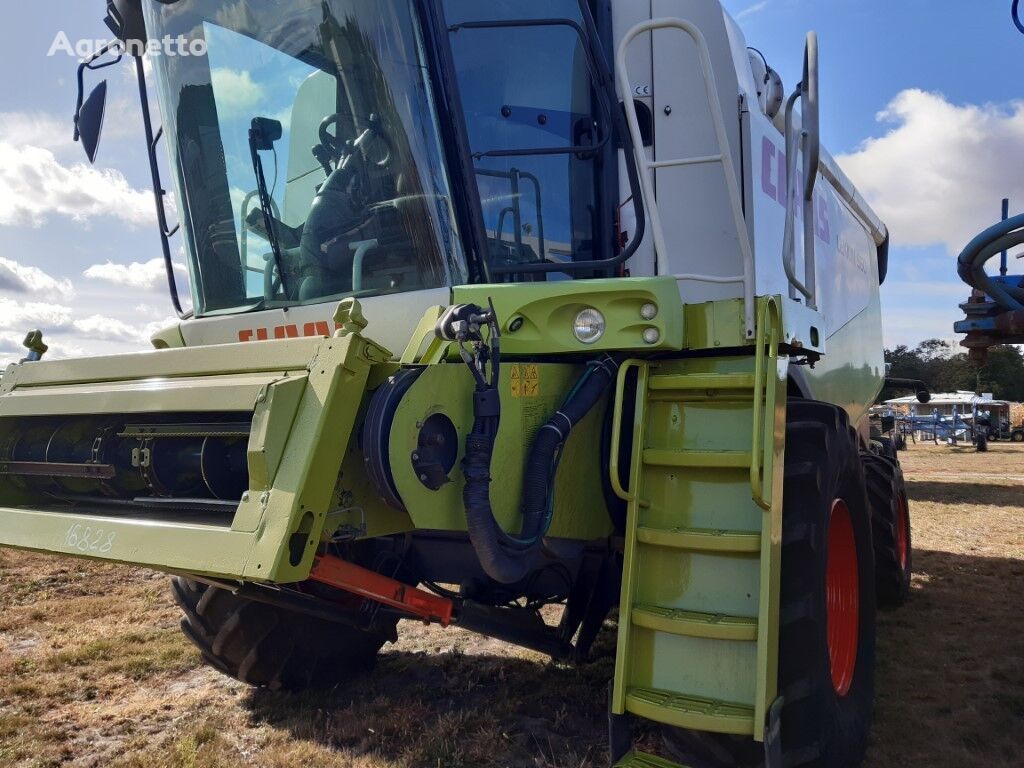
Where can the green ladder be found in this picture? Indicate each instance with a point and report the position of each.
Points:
(698, 620)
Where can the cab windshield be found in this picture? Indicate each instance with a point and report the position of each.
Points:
(307, 152)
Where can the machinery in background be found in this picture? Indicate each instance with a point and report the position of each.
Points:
(994, 312)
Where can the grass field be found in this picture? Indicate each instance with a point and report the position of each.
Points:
(93, 670)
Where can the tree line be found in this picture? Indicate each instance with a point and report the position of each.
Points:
(945, 367)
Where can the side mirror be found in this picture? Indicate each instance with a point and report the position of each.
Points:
(89, 123)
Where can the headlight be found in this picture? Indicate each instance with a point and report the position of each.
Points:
(589, 326)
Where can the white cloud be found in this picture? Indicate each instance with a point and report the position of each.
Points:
(24, 316)
(751, 10)
(236, 90)
(939, 173)
(38, 129)
(150, 275)
(19, 278)
(62, 328)
(109, 328)
(57, 132)
(35, 186)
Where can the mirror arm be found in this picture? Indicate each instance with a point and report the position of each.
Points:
(152, 139)
(90, 64)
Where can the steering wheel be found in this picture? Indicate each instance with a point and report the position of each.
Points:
(333, 144)
(366, 142)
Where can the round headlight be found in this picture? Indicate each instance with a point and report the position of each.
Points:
(652, 335)
(589, 326)
(649, 311)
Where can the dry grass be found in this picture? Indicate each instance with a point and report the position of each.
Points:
(93, 671)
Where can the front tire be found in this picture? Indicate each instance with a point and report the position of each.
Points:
(827, 616)
(268, 646)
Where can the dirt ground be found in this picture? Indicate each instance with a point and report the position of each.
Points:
(93, 670)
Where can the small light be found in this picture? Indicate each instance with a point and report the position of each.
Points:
(652, 335)
(649, 311)
(589, 326)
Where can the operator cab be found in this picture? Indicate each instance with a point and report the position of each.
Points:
(333, 148)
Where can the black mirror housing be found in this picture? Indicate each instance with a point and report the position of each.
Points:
(90, 120)
(265, 132)
(124, 18)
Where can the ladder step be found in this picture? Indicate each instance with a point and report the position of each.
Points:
(698, 459)
(714, 626)
(641, 760)
(690, 711)
(701, 539)
(701, 382)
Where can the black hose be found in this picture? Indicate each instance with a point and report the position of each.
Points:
(503, 557)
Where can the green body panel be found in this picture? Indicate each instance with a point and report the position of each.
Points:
(641, 760)
(547, 311)
(530, 395)
(703, 540)
(719, 325)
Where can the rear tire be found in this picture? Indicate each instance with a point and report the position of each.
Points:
(827, 616)
(268, 646)
(890, 528)
(888, 447)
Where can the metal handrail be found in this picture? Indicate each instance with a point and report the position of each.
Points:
(724, 157)
(810, 149)
(765, 387)
(616, 439)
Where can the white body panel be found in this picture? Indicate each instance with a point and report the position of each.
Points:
(393, 319)
(845, 254)
(694, 202)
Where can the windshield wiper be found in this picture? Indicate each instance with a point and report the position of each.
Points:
(262, 135)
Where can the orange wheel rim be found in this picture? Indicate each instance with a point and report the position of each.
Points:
(902, 526)
(842, 593)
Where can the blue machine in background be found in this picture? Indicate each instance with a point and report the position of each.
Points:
(994, 314)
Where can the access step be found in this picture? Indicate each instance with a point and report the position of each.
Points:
(682, 711)
(698, 459)
(702, 382)
(701, 539)
(714, 626)
(640, 760)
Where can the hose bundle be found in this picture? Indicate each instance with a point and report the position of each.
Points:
(504, 557)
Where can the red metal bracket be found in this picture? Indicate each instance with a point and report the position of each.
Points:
(344, 575)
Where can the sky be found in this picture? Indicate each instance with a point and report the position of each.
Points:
(918, 106)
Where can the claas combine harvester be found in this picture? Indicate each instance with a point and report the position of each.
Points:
(495, 306)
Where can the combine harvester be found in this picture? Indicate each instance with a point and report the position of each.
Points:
(485, 322)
